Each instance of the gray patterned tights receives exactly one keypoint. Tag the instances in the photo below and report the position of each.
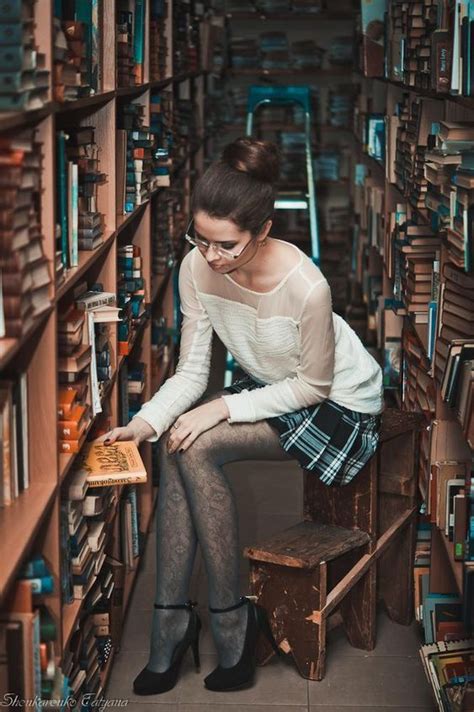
(196, 502)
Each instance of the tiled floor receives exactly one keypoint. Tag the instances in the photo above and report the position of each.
(391, 678)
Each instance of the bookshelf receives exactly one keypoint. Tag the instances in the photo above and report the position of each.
(30, 525)
(401, 192)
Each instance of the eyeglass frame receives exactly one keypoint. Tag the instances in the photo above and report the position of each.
(220, 250)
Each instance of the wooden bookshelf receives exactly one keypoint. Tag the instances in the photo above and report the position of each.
(378, 223)
(30, 525)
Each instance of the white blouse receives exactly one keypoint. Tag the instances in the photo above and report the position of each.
(288, 339)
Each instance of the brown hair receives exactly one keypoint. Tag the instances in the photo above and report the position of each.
(241, 185)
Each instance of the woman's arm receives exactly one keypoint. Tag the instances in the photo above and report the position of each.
(314, 374)
(189, 381)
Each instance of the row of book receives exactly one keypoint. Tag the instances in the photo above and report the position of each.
(273, 50)
(77, 48)
(425, 45)
(26, 276)
(158, 40)
(447, 623)
(29, 637)
(24, 77)
(130, 41)
(80, 224)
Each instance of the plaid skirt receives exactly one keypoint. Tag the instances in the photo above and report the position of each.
(328, 439)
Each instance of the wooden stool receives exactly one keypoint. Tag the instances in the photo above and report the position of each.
(328, 561)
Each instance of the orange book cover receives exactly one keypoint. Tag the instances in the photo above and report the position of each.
(66, 402)
(116, 464)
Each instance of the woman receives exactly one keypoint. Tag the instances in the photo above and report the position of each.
(312, 393)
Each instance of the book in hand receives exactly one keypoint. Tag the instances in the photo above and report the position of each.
(116, 464)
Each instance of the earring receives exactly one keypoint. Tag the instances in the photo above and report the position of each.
(263, 242)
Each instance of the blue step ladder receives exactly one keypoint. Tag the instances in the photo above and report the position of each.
(286, 200)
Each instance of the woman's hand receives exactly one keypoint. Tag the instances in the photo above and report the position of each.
(136, 430)
(191, 424)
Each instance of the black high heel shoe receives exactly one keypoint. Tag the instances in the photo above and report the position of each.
(154, 683)
(242, 673)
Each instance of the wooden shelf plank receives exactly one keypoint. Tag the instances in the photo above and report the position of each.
(19, 523)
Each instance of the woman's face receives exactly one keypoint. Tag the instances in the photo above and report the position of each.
(226, 235)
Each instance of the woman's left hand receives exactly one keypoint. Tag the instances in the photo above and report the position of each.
(191, 424)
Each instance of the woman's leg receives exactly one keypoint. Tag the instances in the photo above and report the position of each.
(214, 514)
(175, 551)
(176, 544)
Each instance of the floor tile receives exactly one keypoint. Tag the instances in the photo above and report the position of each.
(145, 706)
(368, 708)
(371, 680)
(392, 639)
(238, 707)
(275, 683)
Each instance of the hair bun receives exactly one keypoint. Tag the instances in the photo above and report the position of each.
(260, 159)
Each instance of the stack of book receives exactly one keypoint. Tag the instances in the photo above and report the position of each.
(88, 512)
(415, 249)
(411, 145)
(341, 51)
(26, 274)
(306, 55)
(130, 34)
(131, 539)
(133, 158)
(124, 35)
(454, 345)
(104, 603)
(131, 295)
(327, 165)
(448, 668)
(70, 63)
(74, 380)
(30, 637)
(24, 78)
(161, 131)
(340, 106)
(14, 438)
(163, 249)
(244, 53)
(274, 50)
(81, 664)
(449, 171)
(158, 40)
(185, 38)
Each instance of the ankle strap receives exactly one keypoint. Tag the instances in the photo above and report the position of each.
(242, 600)
(189, 604)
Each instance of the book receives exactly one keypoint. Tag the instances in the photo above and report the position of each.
(119, 463)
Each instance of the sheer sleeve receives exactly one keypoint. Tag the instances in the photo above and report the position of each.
(188, 383)
(314, 374)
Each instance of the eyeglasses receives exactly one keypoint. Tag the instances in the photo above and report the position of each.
(192, 238)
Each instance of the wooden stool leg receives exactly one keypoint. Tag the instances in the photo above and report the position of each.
(291, 598)
(395, 572)
(359, 607)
